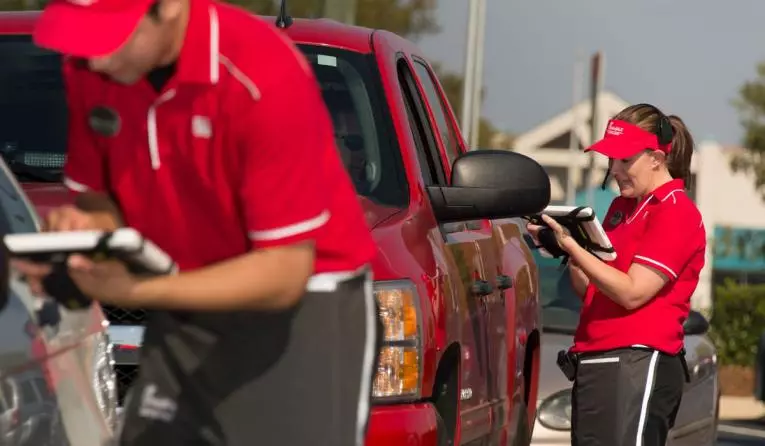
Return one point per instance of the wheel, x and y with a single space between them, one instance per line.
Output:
522 434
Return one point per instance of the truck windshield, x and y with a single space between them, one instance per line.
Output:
33 117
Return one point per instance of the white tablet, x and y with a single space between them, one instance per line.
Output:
126 244
585 228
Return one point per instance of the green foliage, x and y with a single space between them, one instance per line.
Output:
409 18
751 107
738 320
452 85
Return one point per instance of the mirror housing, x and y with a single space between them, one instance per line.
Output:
696 324
491 184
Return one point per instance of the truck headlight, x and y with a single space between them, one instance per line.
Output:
399 365
555 411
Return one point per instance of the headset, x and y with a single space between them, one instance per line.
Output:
663 132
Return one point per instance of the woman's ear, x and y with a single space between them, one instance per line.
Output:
169 10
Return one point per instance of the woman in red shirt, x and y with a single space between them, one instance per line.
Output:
628 347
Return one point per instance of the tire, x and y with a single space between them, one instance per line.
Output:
522 434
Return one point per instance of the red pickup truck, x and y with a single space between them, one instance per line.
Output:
456 282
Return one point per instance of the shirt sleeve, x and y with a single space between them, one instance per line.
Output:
286 138
674 233
83 170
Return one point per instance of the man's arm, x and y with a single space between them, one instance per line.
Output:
269 279
103 210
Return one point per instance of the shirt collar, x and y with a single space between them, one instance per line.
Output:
663 191
199 60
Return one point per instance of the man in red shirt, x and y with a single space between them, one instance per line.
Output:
202 126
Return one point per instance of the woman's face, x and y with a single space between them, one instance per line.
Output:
634 175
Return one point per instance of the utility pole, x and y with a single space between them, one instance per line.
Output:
466 113
341 10
597 74
573 142
475 129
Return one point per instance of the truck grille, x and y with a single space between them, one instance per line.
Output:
122 316
126 374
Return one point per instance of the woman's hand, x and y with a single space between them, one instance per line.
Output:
562 235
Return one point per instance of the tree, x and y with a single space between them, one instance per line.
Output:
751 107
410 18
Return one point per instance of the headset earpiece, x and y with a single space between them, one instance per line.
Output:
664 130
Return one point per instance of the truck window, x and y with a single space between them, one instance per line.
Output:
352 91
445 129
33 117
427 149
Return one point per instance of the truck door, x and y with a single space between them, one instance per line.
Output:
471 243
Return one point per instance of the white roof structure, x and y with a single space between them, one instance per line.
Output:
548 142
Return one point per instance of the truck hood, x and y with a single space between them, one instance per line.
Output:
46 196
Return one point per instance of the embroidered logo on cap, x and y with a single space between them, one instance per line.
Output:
614 130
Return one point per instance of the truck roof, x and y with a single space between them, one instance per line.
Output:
310 31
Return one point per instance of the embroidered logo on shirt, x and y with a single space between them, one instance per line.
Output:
201 127
616 218
103 120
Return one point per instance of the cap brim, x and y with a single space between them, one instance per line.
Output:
618 148
83 31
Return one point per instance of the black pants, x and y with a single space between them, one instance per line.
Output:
297 377
625 397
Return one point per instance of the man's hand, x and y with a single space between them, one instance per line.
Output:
64 218
107 281
70 218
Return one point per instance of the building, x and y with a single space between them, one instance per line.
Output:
733 211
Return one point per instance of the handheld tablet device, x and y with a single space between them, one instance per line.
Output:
140 255
584 226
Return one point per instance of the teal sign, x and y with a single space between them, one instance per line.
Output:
738 249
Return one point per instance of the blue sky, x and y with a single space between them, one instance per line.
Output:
688 57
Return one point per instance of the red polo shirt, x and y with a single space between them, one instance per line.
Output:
663 231
235 153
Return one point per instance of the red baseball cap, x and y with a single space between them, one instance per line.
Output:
88 28
625 140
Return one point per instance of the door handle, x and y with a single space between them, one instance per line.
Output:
482 288
504 282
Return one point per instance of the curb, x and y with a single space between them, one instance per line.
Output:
741 408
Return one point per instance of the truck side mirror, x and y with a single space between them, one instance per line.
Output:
491 184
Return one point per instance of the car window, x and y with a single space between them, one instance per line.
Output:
33 124
33 117
445 129
428 154
560 303
28 394
352 92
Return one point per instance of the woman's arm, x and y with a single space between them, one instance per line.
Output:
630 290
578 278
